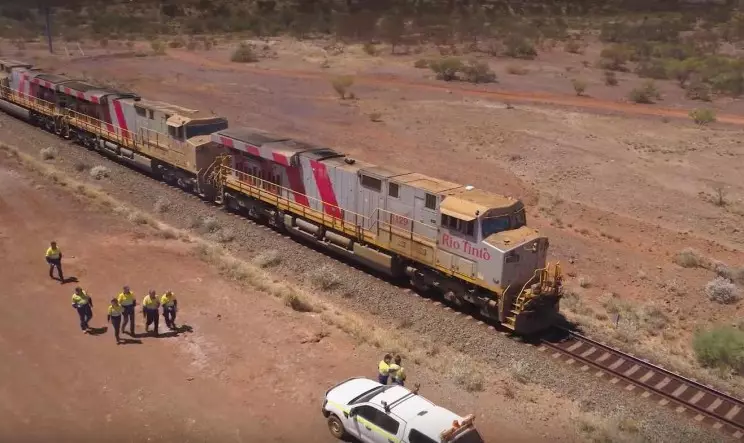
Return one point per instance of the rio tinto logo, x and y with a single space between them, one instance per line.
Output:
461 245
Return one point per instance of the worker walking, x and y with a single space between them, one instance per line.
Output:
383 369
128 303
83 304
170 307
399 374
54 258
151 311
115 312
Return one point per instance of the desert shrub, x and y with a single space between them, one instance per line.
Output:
720 347
610 78
49 153
244 54
728 82
99 172
697 90
703 116
224 235
519 47
421 63
573 46
211 224
722 290
517 70
325 278
446 68
691 258
81 166
579 86
341 85
267 259
297 302
177 43
585 281
478 72
158 48
162 205
466 375
652 69
614 58
375 117
192 45
369 49
648 93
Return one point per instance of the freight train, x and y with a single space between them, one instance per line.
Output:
471 246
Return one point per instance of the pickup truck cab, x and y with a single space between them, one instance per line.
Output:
375 413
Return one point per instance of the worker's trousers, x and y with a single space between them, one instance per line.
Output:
55 263
128 315
151 316
85 313
169 315
116 323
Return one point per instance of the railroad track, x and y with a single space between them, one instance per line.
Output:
703 403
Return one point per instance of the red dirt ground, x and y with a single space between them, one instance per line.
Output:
245 373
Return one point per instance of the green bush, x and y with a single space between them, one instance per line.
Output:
729 83
703 116
614 58
447 68
342 84
720 347
421 63
478 72
648 93
157 47
519 47
697 90
655 69
579 86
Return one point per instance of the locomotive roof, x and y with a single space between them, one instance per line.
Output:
426 183
52 78
80 86
167 108
15 63
252 136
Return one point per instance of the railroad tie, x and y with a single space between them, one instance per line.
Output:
713 406
632 370
663 383
732 413
588 352
604 357
696 398
647 376
575 346
677 392
617 364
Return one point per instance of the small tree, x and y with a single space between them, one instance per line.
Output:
703 116
519 47
478 72
342 84
648 93
697 90
614 58
721 347
610 78
579 86
393 28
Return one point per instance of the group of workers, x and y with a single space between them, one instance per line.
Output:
121 307
391 369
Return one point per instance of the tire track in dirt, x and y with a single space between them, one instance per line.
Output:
630 109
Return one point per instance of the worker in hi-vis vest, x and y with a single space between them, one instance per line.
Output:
54 259
151 311
83 304
127 302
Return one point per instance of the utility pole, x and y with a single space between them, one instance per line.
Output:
48 14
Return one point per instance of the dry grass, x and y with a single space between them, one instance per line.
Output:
162 205
81 166
325 278
722 290
267 259
468 377
341 85
224 235
99 172
49 153
691 258
210 224
517 70
297 302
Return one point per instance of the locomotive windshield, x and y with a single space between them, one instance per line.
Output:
493 225
195 129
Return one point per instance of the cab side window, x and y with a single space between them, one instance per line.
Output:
380 419
416 437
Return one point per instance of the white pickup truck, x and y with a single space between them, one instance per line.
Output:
376 413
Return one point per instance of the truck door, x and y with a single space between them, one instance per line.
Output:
373 425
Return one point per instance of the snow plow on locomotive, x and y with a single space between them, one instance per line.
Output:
470 245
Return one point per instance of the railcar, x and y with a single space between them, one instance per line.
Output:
472 245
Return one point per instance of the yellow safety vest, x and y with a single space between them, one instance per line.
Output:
167 301
54 254
126 299
400 374
115 311
384 368
151 302
80 300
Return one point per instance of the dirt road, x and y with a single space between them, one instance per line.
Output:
249 367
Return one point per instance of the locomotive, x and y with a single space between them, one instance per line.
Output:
471 246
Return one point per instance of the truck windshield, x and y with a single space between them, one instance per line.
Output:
195 129
471 436
492 225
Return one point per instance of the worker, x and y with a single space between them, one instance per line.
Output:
54 258
83 304
115 312
170 306
383 369
150 310
128 303
399 374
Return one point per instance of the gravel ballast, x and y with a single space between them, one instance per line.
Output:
376 299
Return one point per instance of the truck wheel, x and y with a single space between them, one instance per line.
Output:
336 427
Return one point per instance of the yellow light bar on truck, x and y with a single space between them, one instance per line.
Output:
457 428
